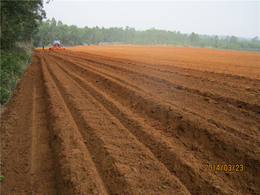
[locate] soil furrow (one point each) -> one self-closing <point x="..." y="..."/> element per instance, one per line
<point x="26" y="160"/>
<point x="158" y="144"/>
<point x="166" y="90"/>
<point x="194" y="131"/>
<point x="127" y="96"/>
<point x="187" y="73"/>
<point x="235" y="122"/>
<point x="177" y="85"/>
<point x="122" y="164"/>
<point x="42" y="168"/>
<point x="75" y="170"/>
<point x="34" y="140"/>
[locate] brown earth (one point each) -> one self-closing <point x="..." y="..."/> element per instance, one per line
<point x="134" y="120"/>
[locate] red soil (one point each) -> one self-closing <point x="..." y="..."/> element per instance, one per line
<point x="134" y="120"/>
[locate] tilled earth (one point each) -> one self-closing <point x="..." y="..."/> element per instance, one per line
<point x="92" y="122"/>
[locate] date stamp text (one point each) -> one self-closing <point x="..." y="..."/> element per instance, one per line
<point x="226" y="168"/>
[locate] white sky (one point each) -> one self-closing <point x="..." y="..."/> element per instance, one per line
<point x="238" y="18"/>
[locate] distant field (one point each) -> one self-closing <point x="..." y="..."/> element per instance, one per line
<point x="240" y="63"/>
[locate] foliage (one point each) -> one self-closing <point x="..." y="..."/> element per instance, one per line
<point x="13" y="64"/>
<point x="72" y="35"/>
<point x="19" y="21"/>
<point x="194" y="39"/>
<point x="1" y="177"/>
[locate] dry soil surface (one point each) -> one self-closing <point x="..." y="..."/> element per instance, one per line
<point x="134" y="120"/>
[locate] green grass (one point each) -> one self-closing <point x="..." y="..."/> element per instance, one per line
<point x="1" y="177"/>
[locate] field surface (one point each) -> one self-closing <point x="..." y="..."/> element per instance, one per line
<point x="125" y="120"/>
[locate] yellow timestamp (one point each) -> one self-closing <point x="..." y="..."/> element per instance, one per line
<point x="237" y="168"/>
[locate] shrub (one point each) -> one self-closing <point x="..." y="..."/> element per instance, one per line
<point x="12" y="63"/>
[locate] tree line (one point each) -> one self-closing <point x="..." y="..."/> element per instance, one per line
<point x="72" y="35"/>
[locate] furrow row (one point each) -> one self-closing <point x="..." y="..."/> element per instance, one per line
<point x="181" y="99"/>
<point x="199" y="136"/>
<point x="123" y="163"/>
<point x="162" y="112"/>
<point x="227" y="79"/>
<point x="186" y="167"/>
<point x="162" y="80"/>
<point x="75" y="170"/>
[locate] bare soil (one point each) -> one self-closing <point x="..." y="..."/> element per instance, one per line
<point x="134" y="120"/>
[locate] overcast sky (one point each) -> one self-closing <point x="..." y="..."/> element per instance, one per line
<point x="238" y="18"/>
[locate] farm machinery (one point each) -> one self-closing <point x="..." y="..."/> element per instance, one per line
<point x="56" y="45"/>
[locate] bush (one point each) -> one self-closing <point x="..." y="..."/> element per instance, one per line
<point x="12" y="63"/>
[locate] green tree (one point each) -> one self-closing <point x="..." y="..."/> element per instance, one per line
<point x="233" y="42"/>
<point x="19" y="21"/>
<point x="216" y="41"/>
<point x="73" y="35"/>
<point x="60" y="23"/>
<point x="255" y="39"/>
<point x="194" y="39"/>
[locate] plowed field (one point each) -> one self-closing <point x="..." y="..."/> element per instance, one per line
<point x="134" y="120"/>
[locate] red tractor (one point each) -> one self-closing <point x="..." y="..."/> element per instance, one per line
<point x="56" y="45"/>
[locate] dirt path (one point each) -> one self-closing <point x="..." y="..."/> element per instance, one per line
<point x="83" y="123"/>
